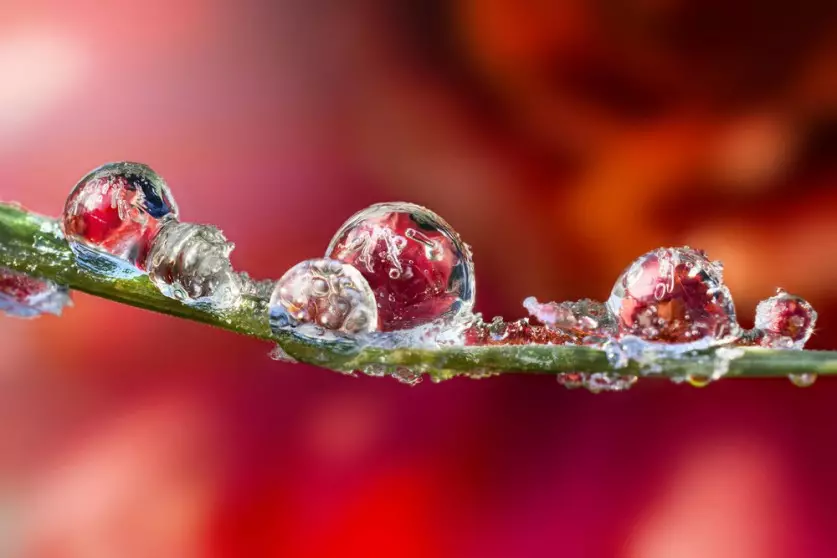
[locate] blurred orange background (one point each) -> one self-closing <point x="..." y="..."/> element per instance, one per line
<point x="561" y="139"/>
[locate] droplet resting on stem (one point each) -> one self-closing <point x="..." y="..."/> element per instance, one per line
<point x="417" y="266"/>
<point x="113" y="214"/>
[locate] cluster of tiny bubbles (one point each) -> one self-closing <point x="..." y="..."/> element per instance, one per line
<point x="121" y="220"/>
<point x="786" y="321"/>
<point x="23" y="296"/>
<point x="585" y="317"/>
<point x="191" y="263"/>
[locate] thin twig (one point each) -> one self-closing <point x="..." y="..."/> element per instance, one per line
<point x="33" y="244"/>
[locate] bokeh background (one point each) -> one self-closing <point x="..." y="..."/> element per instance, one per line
<point x="561" y="139"/>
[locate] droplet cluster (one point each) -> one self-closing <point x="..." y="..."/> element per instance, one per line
<point x="395" y="268"/>
<point x="121" y="220"/>
<point x="397" y="275"/>
<point x="23" y="296"/>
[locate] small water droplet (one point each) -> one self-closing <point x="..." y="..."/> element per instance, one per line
<point x="803" y="380"/>
<point x="698" y="380"/>
<point x="278" y="353"/>
<point x="787" y="321"/>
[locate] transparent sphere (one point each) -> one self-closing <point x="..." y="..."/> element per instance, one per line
<point x="113" y="214"/>
<point x="673" y="295"/>
<point x="23" y="296"/>
<point x="325" y="293"/>
<point x="417" y="266"/>
<point x="785" y="317"/>
<point x="191" y="263"/>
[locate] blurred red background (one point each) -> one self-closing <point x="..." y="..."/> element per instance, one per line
<point x="561" y="139"/>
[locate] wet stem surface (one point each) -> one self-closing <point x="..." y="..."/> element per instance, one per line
<point x="33" y="244"/>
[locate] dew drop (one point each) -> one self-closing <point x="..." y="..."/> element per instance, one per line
<point x="191" y="263"/>
<point x="698" y="380"/>
<point x="607" y="381"/>
<point x="279" y="354"/>
<point x="415" y="263"/>
<point x="803" y="380"/>
<point x="346" y="306"/>
<point x="787" y="321"/>
<point x="112" y="216"/>
<point x="23" y="296"/>
<point x="673" y="295"/>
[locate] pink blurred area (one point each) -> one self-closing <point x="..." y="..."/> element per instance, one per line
<point x="561" y="139"/>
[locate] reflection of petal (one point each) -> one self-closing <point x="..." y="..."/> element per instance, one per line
<point x="725" y="500"/>
<point x="140" y="487"/>
<point x="39" y="68"/>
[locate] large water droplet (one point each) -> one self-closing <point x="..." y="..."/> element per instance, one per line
<point x="673" y="295"/>
<point x="324" y="293"/>
<point x="416" y="264"/>
<point x="113" y="214"/>
<point x="23" y="296"/>
<point x="787" y="321"/>
<point x="191" y="263"/>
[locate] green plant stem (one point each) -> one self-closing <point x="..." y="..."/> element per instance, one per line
<point x="33" y="244"/>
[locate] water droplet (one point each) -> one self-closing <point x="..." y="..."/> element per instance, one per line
<point x="347" y="306"/>
<point x="417" y="266"/>
<point x="278" y="353"/>
<point x="571" y="380"/>
<point x="803" y="380"/>
<point x="376" y="370"/>
<point x="698" y="380"/>
<point x="661" y="299"/>
<point x="608" y="381"/>
<point x="191" y="263"/>
<point x="407" y="376"/>
<point x="113" y="214"/>
<point x="786" y="320"/>
<point x="23" y="296"/>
